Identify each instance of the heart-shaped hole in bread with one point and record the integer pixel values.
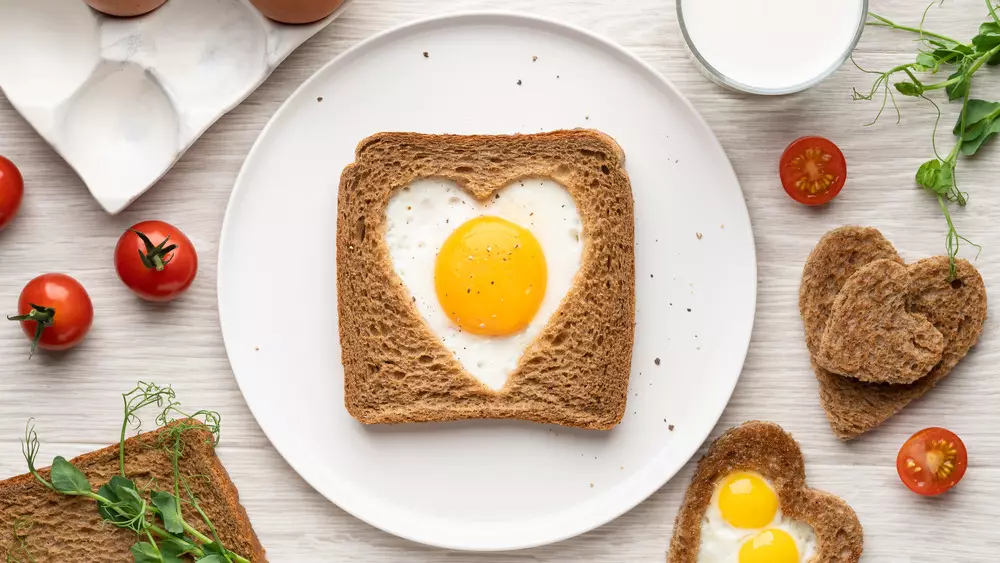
(871, 336)
(486, 288)
(821, 526)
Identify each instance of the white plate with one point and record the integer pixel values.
(121, 99)
(487, 485)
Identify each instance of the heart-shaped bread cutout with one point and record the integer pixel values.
(765, 449)
(421, 217)
(871, 336)
(956, 307)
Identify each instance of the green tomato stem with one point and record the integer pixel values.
(993, 12)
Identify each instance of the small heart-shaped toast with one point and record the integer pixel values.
(955, 306)
(871, 336)
(765, 449)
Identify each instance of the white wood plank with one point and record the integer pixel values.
(74, 396)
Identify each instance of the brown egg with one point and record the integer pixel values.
(125, 8)
(296, 11)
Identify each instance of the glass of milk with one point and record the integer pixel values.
(771, 47)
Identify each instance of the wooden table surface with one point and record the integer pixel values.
(74, 396)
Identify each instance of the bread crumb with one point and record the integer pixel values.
(656, 361)
(591, 484)
(426, 55)
(670, 427)
(256, 348)
(557, 77)
(586, 117)
(534, 58)
(622, 468)
(698, 235)
(518, 81)
(319, 99)
(722, 226)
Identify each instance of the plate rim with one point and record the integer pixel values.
(560, 27)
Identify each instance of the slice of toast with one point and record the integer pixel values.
(64, 528)
(397, 370)
(871, 336)
(766, 449)
(956, 308)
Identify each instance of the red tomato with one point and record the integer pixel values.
(932, 461)
(55, 312)
(812, 170)
(11, 191)
(156, 260)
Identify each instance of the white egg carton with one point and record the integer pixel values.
(121, 99)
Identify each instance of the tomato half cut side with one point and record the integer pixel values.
(932, 461)
(812, 170)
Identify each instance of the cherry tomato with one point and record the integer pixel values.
(55, 312)
(11, 191)
(812, 170)
(156, 260)
(932, 461)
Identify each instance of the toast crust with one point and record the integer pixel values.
(764, 448)
(957, 309)
(70, 528)
(396, 369)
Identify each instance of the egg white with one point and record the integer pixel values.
(721, 542)
(422, 215)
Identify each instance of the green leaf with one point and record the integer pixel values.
(976, 111)
(928, 61)
(166, 503)
(936, 176)
(909, 89)
(213, 547)
(145, 552)
(128, 508)
(970, 147)
(211, 558)
(959, 89)
(67, 479)
(174, 549)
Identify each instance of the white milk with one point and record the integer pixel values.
(772, 46)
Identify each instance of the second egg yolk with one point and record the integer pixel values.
(770, 546)
(490, 276)
(747, 501)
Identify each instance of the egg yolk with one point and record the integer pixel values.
(490, 276)
(747, 501)
(770, 546)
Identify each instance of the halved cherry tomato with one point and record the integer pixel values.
(55, 312)
(932, 461)
(812, 170)
(11, 191)
(156, 260)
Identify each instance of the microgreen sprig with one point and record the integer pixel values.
(978, 121)
(155, 516)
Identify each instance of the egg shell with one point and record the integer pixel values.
(296, 11)
(125, 8)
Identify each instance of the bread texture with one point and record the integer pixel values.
(764, 448)
(67, 528)
(956, 308)
(576, 371)
(871, 336)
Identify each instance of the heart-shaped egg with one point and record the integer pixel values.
(486, 276)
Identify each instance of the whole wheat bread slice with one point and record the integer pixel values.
(871, 336)
(764, 448)
(397, 370)
(957, 309)
(69, 529)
